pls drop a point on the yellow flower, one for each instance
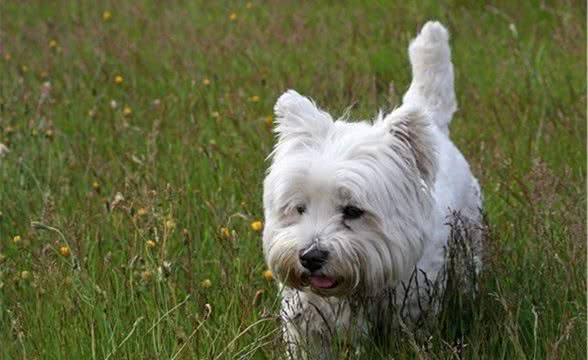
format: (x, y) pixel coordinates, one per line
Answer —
(205, 82)
(151, 244)
(142, 212)
(25, 275)
(206, 283)
(268, 275)
(106, 15)
(170, 224)
(118, 79)
(254, 98)
(64, 251)
(225, 232)
(24, 68)
(269, 120)
(257, 225)
(49, 133)
(52, 44)
(233, 16)
(127, 111)
(96, 185)
(17, 239)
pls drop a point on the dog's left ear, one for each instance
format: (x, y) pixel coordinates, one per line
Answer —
(298, 117)
(412, 128)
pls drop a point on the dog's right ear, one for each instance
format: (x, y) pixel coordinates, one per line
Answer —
(299, 118)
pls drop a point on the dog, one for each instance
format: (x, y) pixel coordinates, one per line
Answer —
(354, 210)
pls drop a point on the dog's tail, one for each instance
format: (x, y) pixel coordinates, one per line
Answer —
(432, 74)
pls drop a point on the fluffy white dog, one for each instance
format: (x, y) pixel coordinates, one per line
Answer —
(356, 209)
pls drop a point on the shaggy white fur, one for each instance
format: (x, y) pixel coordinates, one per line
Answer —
(353, 208)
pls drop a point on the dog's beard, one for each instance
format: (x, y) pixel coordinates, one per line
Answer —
(362, 262)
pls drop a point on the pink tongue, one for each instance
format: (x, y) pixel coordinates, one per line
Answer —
(322, 282)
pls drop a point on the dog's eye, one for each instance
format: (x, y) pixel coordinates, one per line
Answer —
(301, 209)
(351, 212)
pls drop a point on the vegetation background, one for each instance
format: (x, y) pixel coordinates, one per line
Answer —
(134, 141)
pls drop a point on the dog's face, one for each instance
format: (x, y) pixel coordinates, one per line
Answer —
(347, 205)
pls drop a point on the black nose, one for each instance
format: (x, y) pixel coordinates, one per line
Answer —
(313, 259)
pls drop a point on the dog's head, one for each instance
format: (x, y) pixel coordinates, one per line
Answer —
(347, 205)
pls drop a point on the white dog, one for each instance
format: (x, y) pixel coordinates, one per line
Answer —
(353, 208)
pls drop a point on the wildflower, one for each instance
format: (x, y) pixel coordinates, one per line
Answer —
(49, 133)
(269, 120)
(151, 244)
(113, 104)
(257, 225)
(268, 275)
(233, 16)
(205, 82)
(7, 57)
(64, 251)
(24, 68)
(95, 185)
(254, 98)
(118, 79)
(224, 232)
(53, 44)
(25, 275)
(156, 102)
(106, 15)
(17, 239)
(215, 114)
(206, 283)
(142, 212)
(127, 111)
(91, 113)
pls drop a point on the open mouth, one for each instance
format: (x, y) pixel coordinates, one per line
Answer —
(322, 282)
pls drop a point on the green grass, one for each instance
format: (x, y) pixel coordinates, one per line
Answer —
(521, 85)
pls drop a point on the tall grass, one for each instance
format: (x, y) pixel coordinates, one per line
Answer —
(79, 277)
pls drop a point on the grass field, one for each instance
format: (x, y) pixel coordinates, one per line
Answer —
(169, 103)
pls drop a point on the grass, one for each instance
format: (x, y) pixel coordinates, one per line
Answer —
(188, 159)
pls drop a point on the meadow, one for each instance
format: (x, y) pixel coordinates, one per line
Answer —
(135, 137)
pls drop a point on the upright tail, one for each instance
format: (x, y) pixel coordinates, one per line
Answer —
(432, 74)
